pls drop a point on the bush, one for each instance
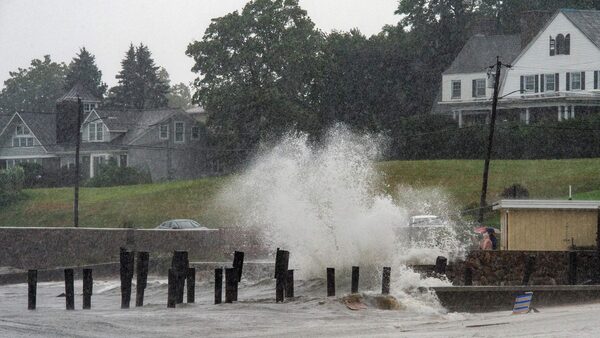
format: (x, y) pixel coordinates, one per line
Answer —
(515, 191)
(32, 175)
(112, 175)
(11, 184)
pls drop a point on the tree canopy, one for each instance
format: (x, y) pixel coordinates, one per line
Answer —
(257, 70)
(83, 70)
(35, 88)
(140, 85)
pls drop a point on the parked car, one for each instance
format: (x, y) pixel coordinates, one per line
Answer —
(181, 224)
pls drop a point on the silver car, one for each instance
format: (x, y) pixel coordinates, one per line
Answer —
(181, 224)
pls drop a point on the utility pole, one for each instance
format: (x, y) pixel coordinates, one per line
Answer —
(77, 146)
(486, 165)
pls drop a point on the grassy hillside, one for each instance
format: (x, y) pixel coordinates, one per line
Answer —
(148, 205)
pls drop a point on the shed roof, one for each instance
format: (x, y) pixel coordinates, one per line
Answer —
(78, 90)
(546, 204)
(480, 52)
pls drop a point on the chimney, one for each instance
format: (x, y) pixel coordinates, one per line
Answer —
(531, 22)
(66, 121)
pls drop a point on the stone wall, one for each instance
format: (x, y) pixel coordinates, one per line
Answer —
(507, 267)
(44, 248)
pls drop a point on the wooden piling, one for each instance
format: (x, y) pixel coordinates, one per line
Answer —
(191, 285)
(529, 268)
(289, 284)
(172, 290)
(355, 277)
(440, 265)
(281, 268)
(143, 259)
(31, 289)
(180, 265)
(88, 287)
(230, 281)
(69, 289)
(385, 280)
(572, 273)
(330, 282)
(468, 276)
(218, 285)
(126, 260)
(238, 263)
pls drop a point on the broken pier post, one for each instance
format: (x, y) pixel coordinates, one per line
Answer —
(143, 259)
(330, 282)
(385, 280)
(180, 265)
(191, 285)
(238, 265)
(172, 290)
(218, 285)
(281, 267)
(355, 276)
(289, 284)
(126, 259)
(230, 281)
(69, 290)
(31, 289)
(88, 284)
(440, 265)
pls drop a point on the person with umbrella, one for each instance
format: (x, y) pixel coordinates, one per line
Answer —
(489, 241)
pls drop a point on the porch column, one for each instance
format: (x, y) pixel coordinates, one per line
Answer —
(460, 119)
(454, 115)
(526, 115)
(572, 112)
(559, 113)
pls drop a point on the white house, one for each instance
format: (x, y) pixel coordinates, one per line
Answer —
(554, 73)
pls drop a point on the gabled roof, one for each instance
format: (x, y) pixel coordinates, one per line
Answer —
(137, 122)
(480, 52)
(588, 22)
(547, 204)
(41, 125)
(78, 90)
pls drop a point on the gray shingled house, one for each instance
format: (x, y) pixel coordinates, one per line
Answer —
(167, 143)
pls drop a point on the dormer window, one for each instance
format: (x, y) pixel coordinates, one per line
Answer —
(560, 46)
(22, 137)
(95, 132)
(87, 107)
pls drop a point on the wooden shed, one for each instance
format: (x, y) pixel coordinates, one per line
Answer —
(547, 225)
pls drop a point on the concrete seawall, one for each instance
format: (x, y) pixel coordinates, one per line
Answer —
(46, 248)
(501, 298)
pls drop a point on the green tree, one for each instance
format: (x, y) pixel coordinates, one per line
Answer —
(35, 88)
(140, 85)
(258, 70)
(180, 96)
(83, 69)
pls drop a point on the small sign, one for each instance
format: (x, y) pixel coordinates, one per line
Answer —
(523, 303)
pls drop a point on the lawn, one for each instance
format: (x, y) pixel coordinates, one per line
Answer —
(148, 205)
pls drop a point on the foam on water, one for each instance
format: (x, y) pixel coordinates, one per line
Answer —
(325, 205)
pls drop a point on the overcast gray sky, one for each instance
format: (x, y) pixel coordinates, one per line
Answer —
(32, 28)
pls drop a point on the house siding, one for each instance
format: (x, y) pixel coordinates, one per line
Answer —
(152, 154)
(584, 56)
(466, 82)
